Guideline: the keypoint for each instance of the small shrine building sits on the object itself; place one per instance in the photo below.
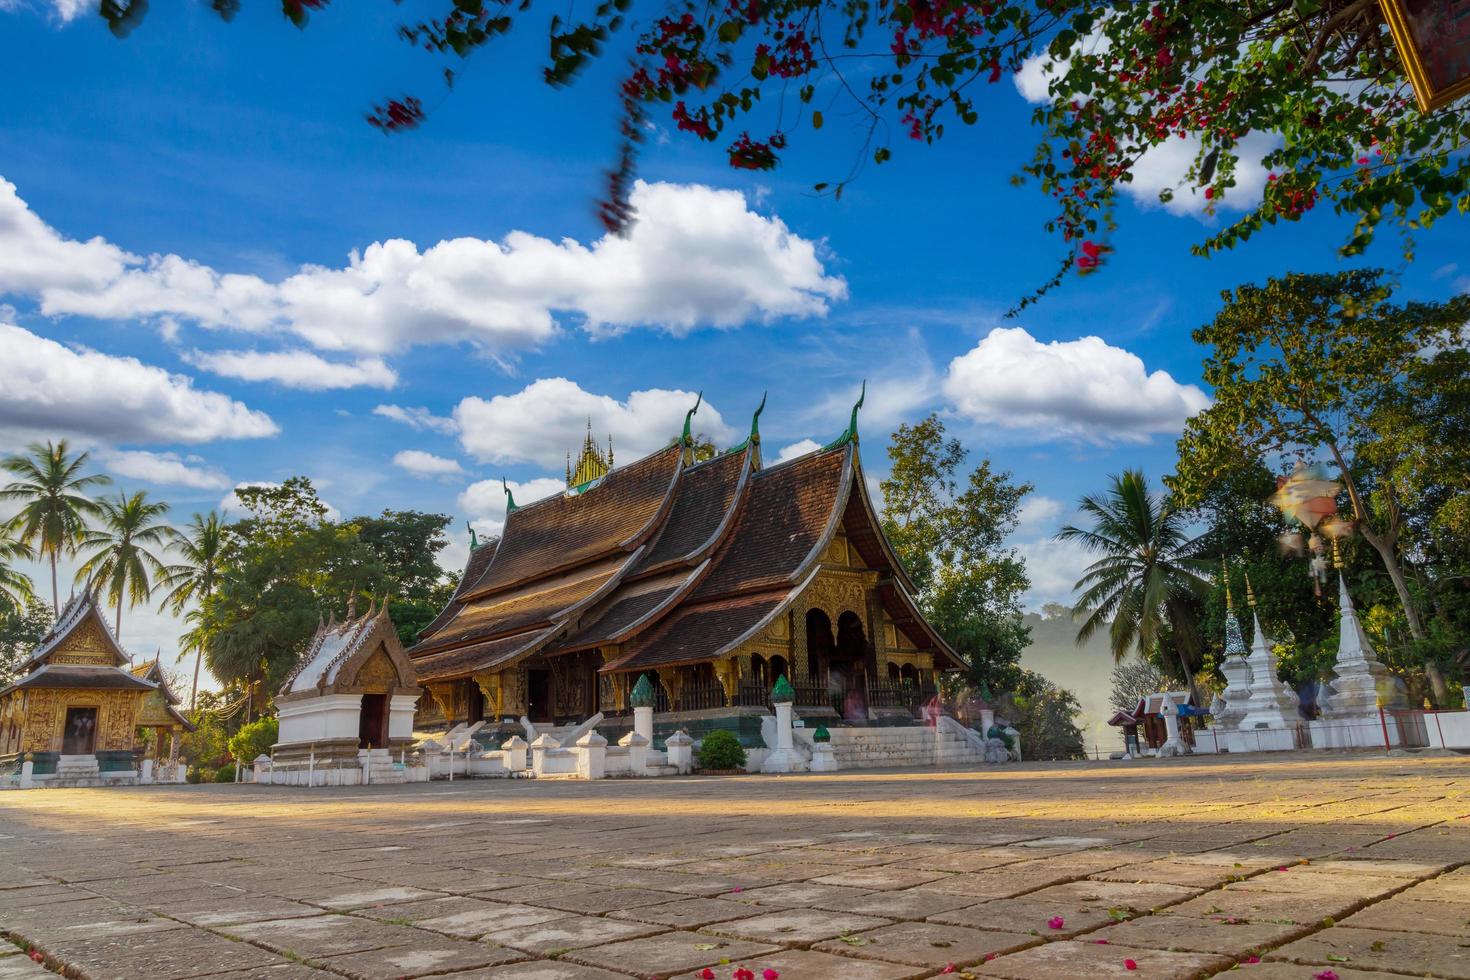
(352, 691)
(711, 577)
(75, 710)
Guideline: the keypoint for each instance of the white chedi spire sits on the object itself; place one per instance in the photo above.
(1362, 680)
(1271, 703)
(1234, 667)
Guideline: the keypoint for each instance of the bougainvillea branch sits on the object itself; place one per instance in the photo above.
(1317, 81)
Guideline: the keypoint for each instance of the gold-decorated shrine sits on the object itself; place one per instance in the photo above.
(78, 698)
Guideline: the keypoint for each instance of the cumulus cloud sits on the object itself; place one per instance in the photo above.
(52, 388)
(797, 449)
(545, 420)
(295, 369)
(64, 11)
(231, 501)
(420, 463)
(696, 257)
(1053, 567)
(169, 469)
(484, 501)
(1082, 389)
(418, 418)
(1163, 167)
(1038, 513)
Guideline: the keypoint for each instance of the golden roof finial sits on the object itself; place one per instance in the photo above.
(1225, 574)
(1250, 595)
(1336, 554)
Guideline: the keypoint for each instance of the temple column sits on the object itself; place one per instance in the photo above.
(492, 689)
(800, 669)
(672, 683)
(728, 673)
(173, 754)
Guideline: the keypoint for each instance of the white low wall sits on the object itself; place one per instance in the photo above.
(1448, 730)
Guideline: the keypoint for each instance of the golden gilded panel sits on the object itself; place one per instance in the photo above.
(378, 674)
(117, 717)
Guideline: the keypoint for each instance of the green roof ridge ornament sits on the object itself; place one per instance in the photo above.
(642, 696)
(755, 429)
(782, 692)
(851, 435)
(510, 500)
(474, 541)
(687, 438)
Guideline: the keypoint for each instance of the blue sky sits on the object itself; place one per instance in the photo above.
(184, 203)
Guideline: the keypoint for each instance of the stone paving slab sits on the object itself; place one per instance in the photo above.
(869, 875)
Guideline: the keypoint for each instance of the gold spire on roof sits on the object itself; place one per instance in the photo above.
(591, 464)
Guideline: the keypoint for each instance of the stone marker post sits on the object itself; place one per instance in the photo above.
(591, 755)
(515, 753)
(784, 758)
(637, 747)
(681, 752)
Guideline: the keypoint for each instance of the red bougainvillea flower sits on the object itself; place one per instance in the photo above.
(1055, 922)
(769, 974)
(707, 974)
(36, 955)
(741, 973)
(1100, 942)
(1130, 965)
(1325, 975)
(1209, 193)
(1251, 960)
(948, 968)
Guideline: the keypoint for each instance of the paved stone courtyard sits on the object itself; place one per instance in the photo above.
(1354, 867)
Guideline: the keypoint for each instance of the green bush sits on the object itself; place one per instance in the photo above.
(721, 750)
(254, 739)
(225, 773)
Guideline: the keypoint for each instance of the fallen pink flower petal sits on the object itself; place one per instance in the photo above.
(948, 968)
(1251, 959)
(1325, 975)
(1100, 942)
(708, 974)
(769, 974)
(737, 890)
(1055, 922)
(1130, 965)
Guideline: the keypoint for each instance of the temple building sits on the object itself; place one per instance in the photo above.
(74, 712)
(160, 714)
(712, 577)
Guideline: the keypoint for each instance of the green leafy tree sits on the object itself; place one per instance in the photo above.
(200, 548)
(285, 567)
(122, 546)
(52, 491)
(949, 532)
(1046, 716)
(254, 739)
(1304, 367)
(1145, 585)
(21, 628)
(406, 544)
(1318, 85)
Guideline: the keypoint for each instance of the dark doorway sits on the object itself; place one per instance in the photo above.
(849, 667)
(477, 703)
(540, 706)
(80, 735)
(372, 725)
(779, 670)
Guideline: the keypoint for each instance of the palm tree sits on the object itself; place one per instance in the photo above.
(201, 548)
(1143, 585)
(15, 586)
(130, 526)
(52, 520)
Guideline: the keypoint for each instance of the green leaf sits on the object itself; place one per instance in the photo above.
(816, 120)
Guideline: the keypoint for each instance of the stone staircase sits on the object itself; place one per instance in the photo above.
(383, 768)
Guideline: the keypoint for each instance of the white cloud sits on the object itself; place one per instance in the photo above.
(420, 463)
(1082, 389)
(418, 418)
(484, 501)
(49, 388)
(797, 449)
(64, 11)
(295, 369)
(1053, 567)
(544, 421)
(168, 469)
(696, 257)
(230, 502)
(1037, 512)
(1163, 167)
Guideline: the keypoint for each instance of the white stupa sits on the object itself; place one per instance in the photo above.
(1271, 709)
(1234, 667)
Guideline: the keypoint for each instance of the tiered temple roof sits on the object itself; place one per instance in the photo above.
(101, 666)
(673, 560)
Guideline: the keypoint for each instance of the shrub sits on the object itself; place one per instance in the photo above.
(721, 750)
(254, 739)
(225, 773)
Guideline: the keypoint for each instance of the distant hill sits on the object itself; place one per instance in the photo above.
(1086, 671)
